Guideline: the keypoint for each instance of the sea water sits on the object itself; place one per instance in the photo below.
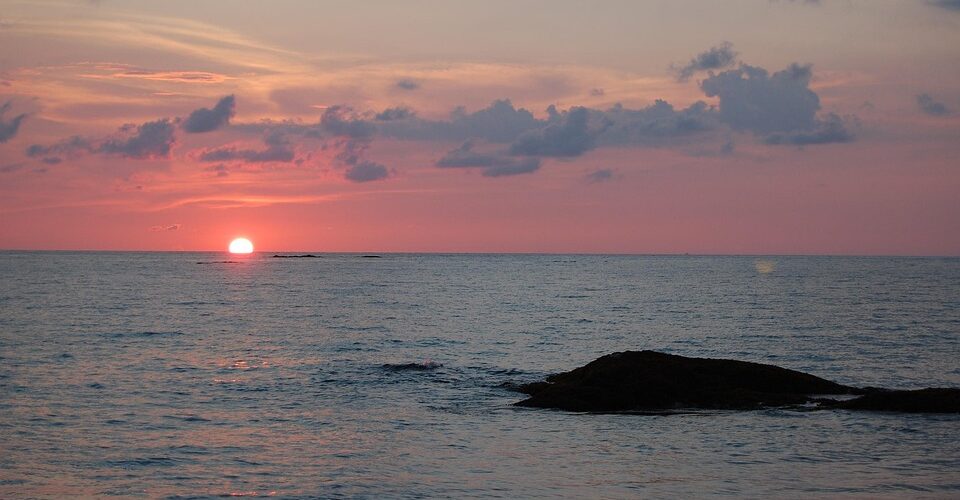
(205, 374)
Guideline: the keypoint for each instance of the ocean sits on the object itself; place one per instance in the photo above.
(206, 374)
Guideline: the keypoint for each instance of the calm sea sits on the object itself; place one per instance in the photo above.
(178, 375)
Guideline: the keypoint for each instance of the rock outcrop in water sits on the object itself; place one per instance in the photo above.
(653, 381)
(930, 400)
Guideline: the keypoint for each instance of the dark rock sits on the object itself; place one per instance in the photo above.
(304, 256)
(648, 380)
(932, 400)
(370, 257)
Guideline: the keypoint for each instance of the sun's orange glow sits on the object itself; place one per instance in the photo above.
(241, 245)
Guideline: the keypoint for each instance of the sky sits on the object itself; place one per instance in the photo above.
(702, 127)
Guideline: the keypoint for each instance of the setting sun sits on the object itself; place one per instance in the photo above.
(241, 245)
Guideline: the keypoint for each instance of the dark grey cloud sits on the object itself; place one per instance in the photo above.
(206, 119)
(780, 106)
(341, 121)
(500, 122)
(656, 125)
(9, 128)
(599, 175)
(64, 147)
(407, 84)
(278, 150)
(493, 165)
(523, 166)
(397, 113)
(567, 134)
(718, 57)
(366, 171)
(829, 130)
(149, 140)
(752, 99)
(930, 106)
(146, 141)
(953, 5)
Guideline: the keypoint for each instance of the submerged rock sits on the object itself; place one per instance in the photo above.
(649, 380)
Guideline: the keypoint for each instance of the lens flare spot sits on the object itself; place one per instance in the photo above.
(765, 266)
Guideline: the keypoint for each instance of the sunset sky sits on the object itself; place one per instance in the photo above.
(727, 127)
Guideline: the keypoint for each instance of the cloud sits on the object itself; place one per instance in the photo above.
(63, 147)
(827, 131)
(206, 119)
(11, 167)
(149, 140)
(500, 122)
(171, 227)
(597, 92)
(278, 150)
(946, 4)
(493, 165)
(221, 170)
(397, 113)
(366, 171)
(523, 166)
(931, 107)
(341, 121)
(567, 135)
(751, 99)
(718, 57)
(658, 124)
(9, 128)
(464, 156)
(600, 175)
(407, 84)
(562, 134)
(780, 106)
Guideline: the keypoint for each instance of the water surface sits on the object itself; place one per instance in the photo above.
(152, 374)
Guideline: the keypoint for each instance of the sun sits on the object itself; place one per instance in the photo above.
(241, 245)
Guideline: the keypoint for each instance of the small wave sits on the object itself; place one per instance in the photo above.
(186, 418)
(423, 366)
(220, 262)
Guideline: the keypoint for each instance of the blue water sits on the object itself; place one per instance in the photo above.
(150, 374)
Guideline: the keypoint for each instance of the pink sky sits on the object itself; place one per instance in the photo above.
(758, 127)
